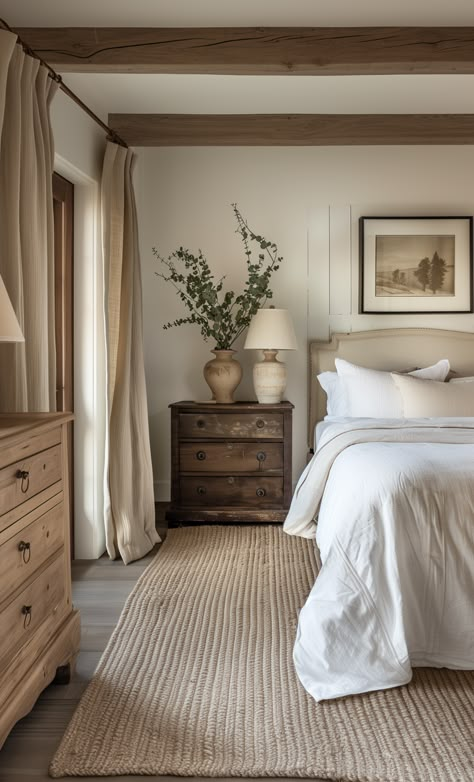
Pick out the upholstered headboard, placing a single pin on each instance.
(389, 349)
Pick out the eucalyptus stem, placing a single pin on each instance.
(221, 316)
(188, 300)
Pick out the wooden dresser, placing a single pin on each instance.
(230, 462)
(39, 629)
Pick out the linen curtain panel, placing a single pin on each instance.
(27, 370)
(129, 500)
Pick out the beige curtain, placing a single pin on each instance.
(129, 502)
(27, 370)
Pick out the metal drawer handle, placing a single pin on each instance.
(201, 455)
(261, 456)
(230, 481)
(25, 548)
(201, 490)
(26, 611)
(260, 492)
(25, 480)
(260, 423)
(200, 423)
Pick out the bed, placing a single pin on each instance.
(390, 503)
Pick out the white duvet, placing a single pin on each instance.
(395, 507)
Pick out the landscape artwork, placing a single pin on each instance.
(414, 265)
(417, 265)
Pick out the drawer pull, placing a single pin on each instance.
(26, 611)
(261, 456)
(260, 492)
(200, 456)
(25, 549)
(25, 480)
(201, 489)
(231, 481)
(260, 423)
(200, 423)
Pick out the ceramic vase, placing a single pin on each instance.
(223, 374)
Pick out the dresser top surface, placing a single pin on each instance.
(13, 424)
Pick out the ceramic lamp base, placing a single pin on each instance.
(269, 379)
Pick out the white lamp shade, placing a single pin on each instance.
(10, 330)
(271, 329)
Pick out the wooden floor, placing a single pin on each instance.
(100, 589)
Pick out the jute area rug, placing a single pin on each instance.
(198, 680)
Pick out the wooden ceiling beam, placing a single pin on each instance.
(177, 130)
(256, 50)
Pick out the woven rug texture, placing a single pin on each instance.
(198, 680)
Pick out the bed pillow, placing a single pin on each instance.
(337, 395)
(337, 404)
(431, 399)
(372, 393)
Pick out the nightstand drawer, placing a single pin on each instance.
(231, 457)
(252, 425)
(232, 490)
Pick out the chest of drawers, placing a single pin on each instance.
(39, 629)
(230, 462)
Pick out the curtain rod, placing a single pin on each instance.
(111, 134)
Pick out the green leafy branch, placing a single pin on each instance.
(221, 316)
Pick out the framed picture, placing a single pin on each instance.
(415, 264)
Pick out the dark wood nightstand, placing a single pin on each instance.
(230, 462)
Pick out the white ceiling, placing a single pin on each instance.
(213, 13)
(163, 93)
(155, 93)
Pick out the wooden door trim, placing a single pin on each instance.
(63, 208)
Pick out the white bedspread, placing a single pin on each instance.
(396, 535)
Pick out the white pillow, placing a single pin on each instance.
(371, 393)
(430, 399)
(337, 395)
(337, 404)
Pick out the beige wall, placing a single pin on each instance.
(308, 201)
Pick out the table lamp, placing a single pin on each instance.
(270, 330)
(10, 330)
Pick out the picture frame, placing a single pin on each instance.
(415, 265)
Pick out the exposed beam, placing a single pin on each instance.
(256, 50)
(177, 130)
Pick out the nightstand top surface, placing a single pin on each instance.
(212, 406)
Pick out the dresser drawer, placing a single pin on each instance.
(251, 425)
(26, 550)
(231, 457)
(242, 491)
(43, 601)
(30, 475)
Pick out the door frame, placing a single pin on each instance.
(89, 365)
(63, 210)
